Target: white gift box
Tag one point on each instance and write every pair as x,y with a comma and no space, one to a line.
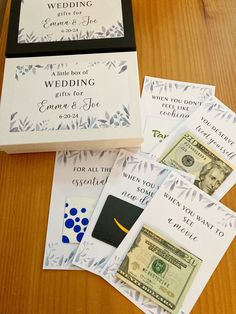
70,102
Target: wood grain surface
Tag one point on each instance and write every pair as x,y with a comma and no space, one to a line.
189,40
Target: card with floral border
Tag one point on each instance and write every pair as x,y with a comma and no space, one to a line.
69,27
191,218
79,102
133,181
205,146
165,104
79,177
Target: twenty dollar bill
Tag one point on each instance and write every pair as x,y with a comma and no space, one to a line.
190,155
159,269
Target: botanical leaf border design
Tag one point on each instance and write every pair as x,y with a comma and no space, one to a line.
82,251
120,66
221,112
163,86
114,31
139,164
228,219
23,70
120,119
81,156
84,260
53,260
194,194
140,300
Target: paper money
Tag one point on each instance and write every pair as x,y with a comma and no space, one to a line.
190,155
159,269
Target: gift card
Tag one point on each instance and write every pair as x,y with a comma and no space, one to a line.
78,211
155,131
115,220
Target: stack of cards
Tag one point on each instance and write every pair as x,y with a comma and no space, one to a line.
149,221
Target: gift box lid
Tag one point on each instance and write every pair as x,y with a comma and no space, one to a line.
52,27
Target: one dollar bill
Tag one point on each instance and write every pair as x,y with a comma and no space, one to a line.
159,269
190,155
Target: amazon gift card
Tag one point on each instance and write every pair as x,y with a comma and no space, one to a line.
116,219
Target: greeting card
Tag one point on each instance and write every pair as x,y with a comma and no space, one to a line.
178,240
165,104
79,178
132,183
79,102
205,146
159,269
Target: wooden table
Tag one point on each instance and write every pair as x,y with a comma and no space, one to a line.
188,40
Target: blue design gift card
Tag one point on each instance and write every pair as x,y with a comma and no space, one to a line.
78,211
